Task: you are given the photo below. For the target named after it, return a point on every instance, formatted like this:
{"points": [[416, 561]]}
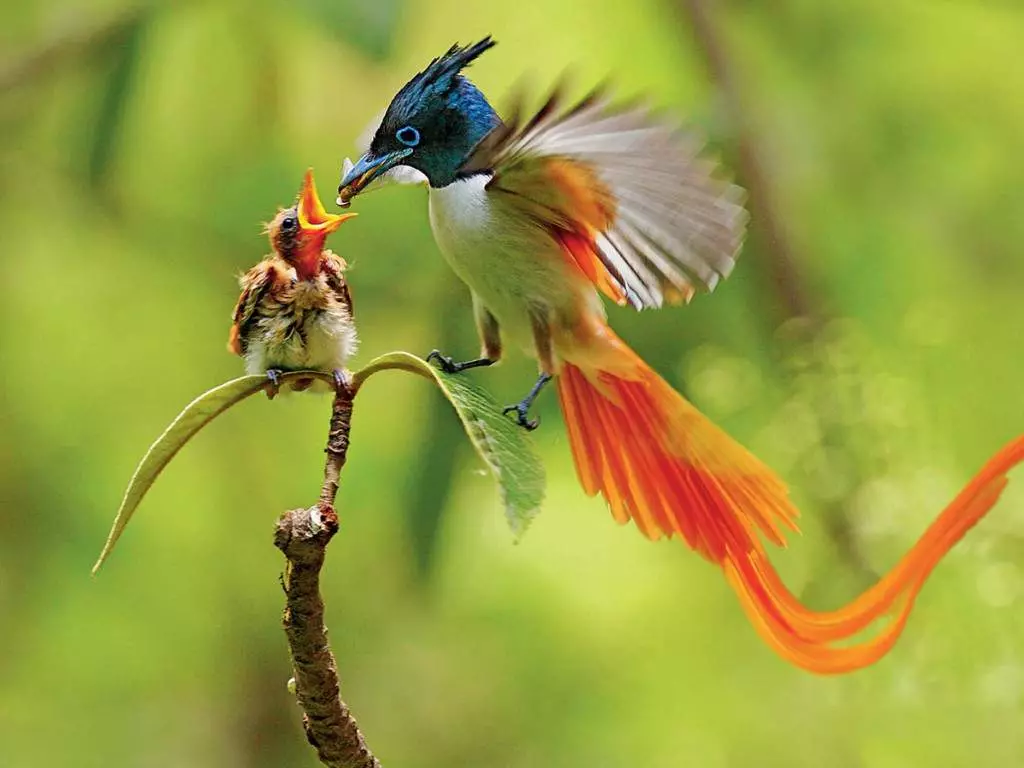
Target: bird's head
{"points": [[298, 233], [433, 124]]}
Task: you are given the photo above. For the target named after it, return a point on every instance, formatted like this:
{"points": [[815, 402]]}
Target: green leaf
{"points": [[501, 443], [432, 475], [196, 415]]}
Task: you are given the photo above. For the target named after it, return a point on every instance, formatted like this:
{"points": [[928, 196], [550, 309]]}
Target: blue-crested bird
{"points": [[295, 309], [538, 217]]}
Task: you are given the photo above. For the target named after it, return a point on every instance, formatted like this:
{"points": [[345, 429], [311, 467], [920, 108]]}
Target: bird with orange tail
{"points": [[540, 216], [295, 311]]}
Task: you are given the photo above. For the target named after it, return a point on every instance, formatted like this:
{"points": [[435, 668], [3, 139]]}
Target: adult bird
{"points": [[295, 309], [539, 217]]}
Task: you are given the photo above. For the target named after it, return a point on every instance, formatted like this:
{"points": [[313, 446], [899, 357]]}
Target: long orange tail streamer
{"points": [[661, 463]]}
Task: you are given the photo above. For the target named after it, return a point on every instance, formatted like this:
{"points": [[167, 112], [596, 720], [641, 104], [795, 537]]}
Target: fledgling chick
{"points": [[295, 311]]}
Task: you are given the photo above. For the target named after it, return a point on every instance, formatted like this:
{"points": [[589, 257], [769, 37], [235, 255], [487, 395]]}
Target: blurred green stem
{"points": [[69, 45], [303, 535], [791, 292]]}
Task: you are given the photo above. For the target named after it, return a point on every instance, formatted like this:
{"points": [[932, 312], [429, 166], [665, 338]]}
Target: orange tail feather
{"points": [[661, 463]]}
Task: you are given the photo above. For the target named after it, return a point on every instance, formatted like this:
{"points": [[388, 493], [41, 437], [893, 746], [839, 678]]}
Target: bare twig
{"points": [[303, 536]]}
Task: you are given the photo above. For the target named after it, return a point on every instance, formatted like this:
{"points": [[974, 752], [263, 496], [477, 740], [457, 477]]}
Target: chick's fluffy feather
{"points": [[283, 323]]}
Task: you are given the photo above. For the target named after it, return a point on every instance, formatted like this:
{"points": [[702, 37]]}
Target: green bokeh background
{"points": [[141, 148]]}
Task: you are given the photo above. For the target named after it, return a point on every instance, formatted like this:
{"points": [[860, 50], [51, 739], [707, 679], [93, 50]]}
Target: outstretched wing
{"points": [[630, 198], [254, 285]]}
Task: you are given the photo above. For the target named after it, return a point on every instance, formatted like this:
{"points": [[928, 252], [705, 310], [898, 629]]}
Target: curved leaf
{"points": [[196, 415], [502, 444]]}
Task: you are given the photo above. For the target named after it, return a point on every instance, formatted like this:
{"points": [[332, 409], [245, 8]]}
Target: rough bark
{"points": [[303, 535]]}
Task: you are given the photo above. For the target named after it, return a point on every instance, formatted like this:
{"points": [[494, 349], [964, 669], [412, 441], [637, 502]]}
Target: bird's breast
{"points": [[508, 260], [464, 219], [309, 295]]}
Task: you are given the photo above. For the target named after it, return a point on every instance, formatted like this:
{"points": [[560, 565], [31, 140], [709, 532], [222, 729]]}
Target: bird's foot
{"points": [[342, 381], [448, 365], [522, 411], [522, 408], [273, 383]]}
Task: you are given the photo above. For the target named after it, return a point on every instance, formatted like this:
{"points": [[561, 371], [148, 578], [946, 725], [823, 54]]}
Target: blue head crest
{"points": [[439, 79], [435, 121]]}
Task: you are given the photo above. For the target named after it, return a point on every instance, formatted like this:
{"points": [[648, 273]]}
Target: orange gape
{"points": [[660, 462]]}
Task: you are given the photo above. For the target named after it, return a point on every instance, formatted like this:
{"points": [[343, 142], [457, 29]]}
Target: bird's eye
{"points": [[288, 223], [408, 136]]}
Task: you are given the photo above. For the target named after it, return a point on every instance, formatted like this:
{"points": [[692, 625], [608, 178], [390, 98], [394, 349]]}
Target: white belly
{"points": [[305, 339], [513, 265]]}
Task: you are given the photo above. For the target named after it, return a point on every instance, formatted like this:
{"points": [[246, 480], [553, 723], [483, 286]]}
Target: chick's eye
{"points": [[289, 223], [408, 136]]}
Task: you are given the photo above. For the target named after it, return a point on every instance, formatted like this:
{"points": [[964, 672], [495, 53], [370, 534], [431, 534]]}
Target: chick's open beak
{"points": [[312, 215]]}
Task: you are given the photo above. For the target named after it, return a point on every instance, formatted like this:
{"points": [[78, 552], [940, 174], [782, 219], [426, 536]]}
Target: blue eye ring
{"points": [[408, 136]]}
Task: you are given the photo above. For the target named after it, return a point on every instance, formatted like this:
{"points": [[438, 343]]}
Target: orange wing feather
{"points": [[590, 206], [587, 198]]}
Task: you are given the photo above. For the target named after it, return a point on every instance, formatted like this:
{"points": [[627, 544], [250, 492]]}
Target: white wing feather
{"points": [[677, 228]]}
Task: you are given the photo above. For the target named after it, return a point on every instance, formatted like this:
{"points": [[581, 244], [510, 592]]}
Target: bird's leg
{"points": [[522, 408], [448, 365], [274, 382], [490, 336], [540, 325]]}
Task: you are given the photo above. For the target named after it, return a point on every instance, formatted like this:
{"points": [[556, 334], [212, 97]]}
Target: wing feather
{"points": [[638, 189], [334, 270], [254, 285]]}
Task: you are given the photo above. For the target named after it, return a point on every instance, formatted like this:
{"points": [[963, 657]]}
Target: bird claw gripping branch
{"points": [[539, 214], [274, 385], [448, 364], [522, 408], [342, 380]]}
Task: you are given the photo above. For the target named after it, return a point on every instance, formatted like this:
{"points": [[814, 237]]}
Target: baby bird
{"points": [[295, 311]]}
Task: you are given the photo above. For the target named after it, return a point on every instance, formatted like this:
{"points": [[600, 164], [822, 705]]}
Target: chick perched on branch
{"points": [[295, 311]]}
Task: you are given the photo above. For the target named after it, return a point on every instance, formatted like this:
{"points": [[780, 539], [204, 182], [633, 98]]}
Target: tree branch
{"points": [[303, 535]]}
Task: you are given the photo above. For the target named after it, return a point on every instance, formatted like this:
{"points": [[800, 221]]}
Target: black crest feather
{"points": [[454, 61], [439, 76]]}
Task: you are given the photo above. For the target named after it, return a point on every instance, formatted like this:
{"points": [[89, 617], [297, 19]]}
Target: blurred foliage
{"points": [[141, 147], [366, 26]]}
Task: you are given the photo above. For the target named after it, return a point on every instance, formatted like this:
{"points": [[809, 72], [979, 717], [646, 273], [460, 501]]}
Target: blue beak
{"points": [[368, 168]]}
